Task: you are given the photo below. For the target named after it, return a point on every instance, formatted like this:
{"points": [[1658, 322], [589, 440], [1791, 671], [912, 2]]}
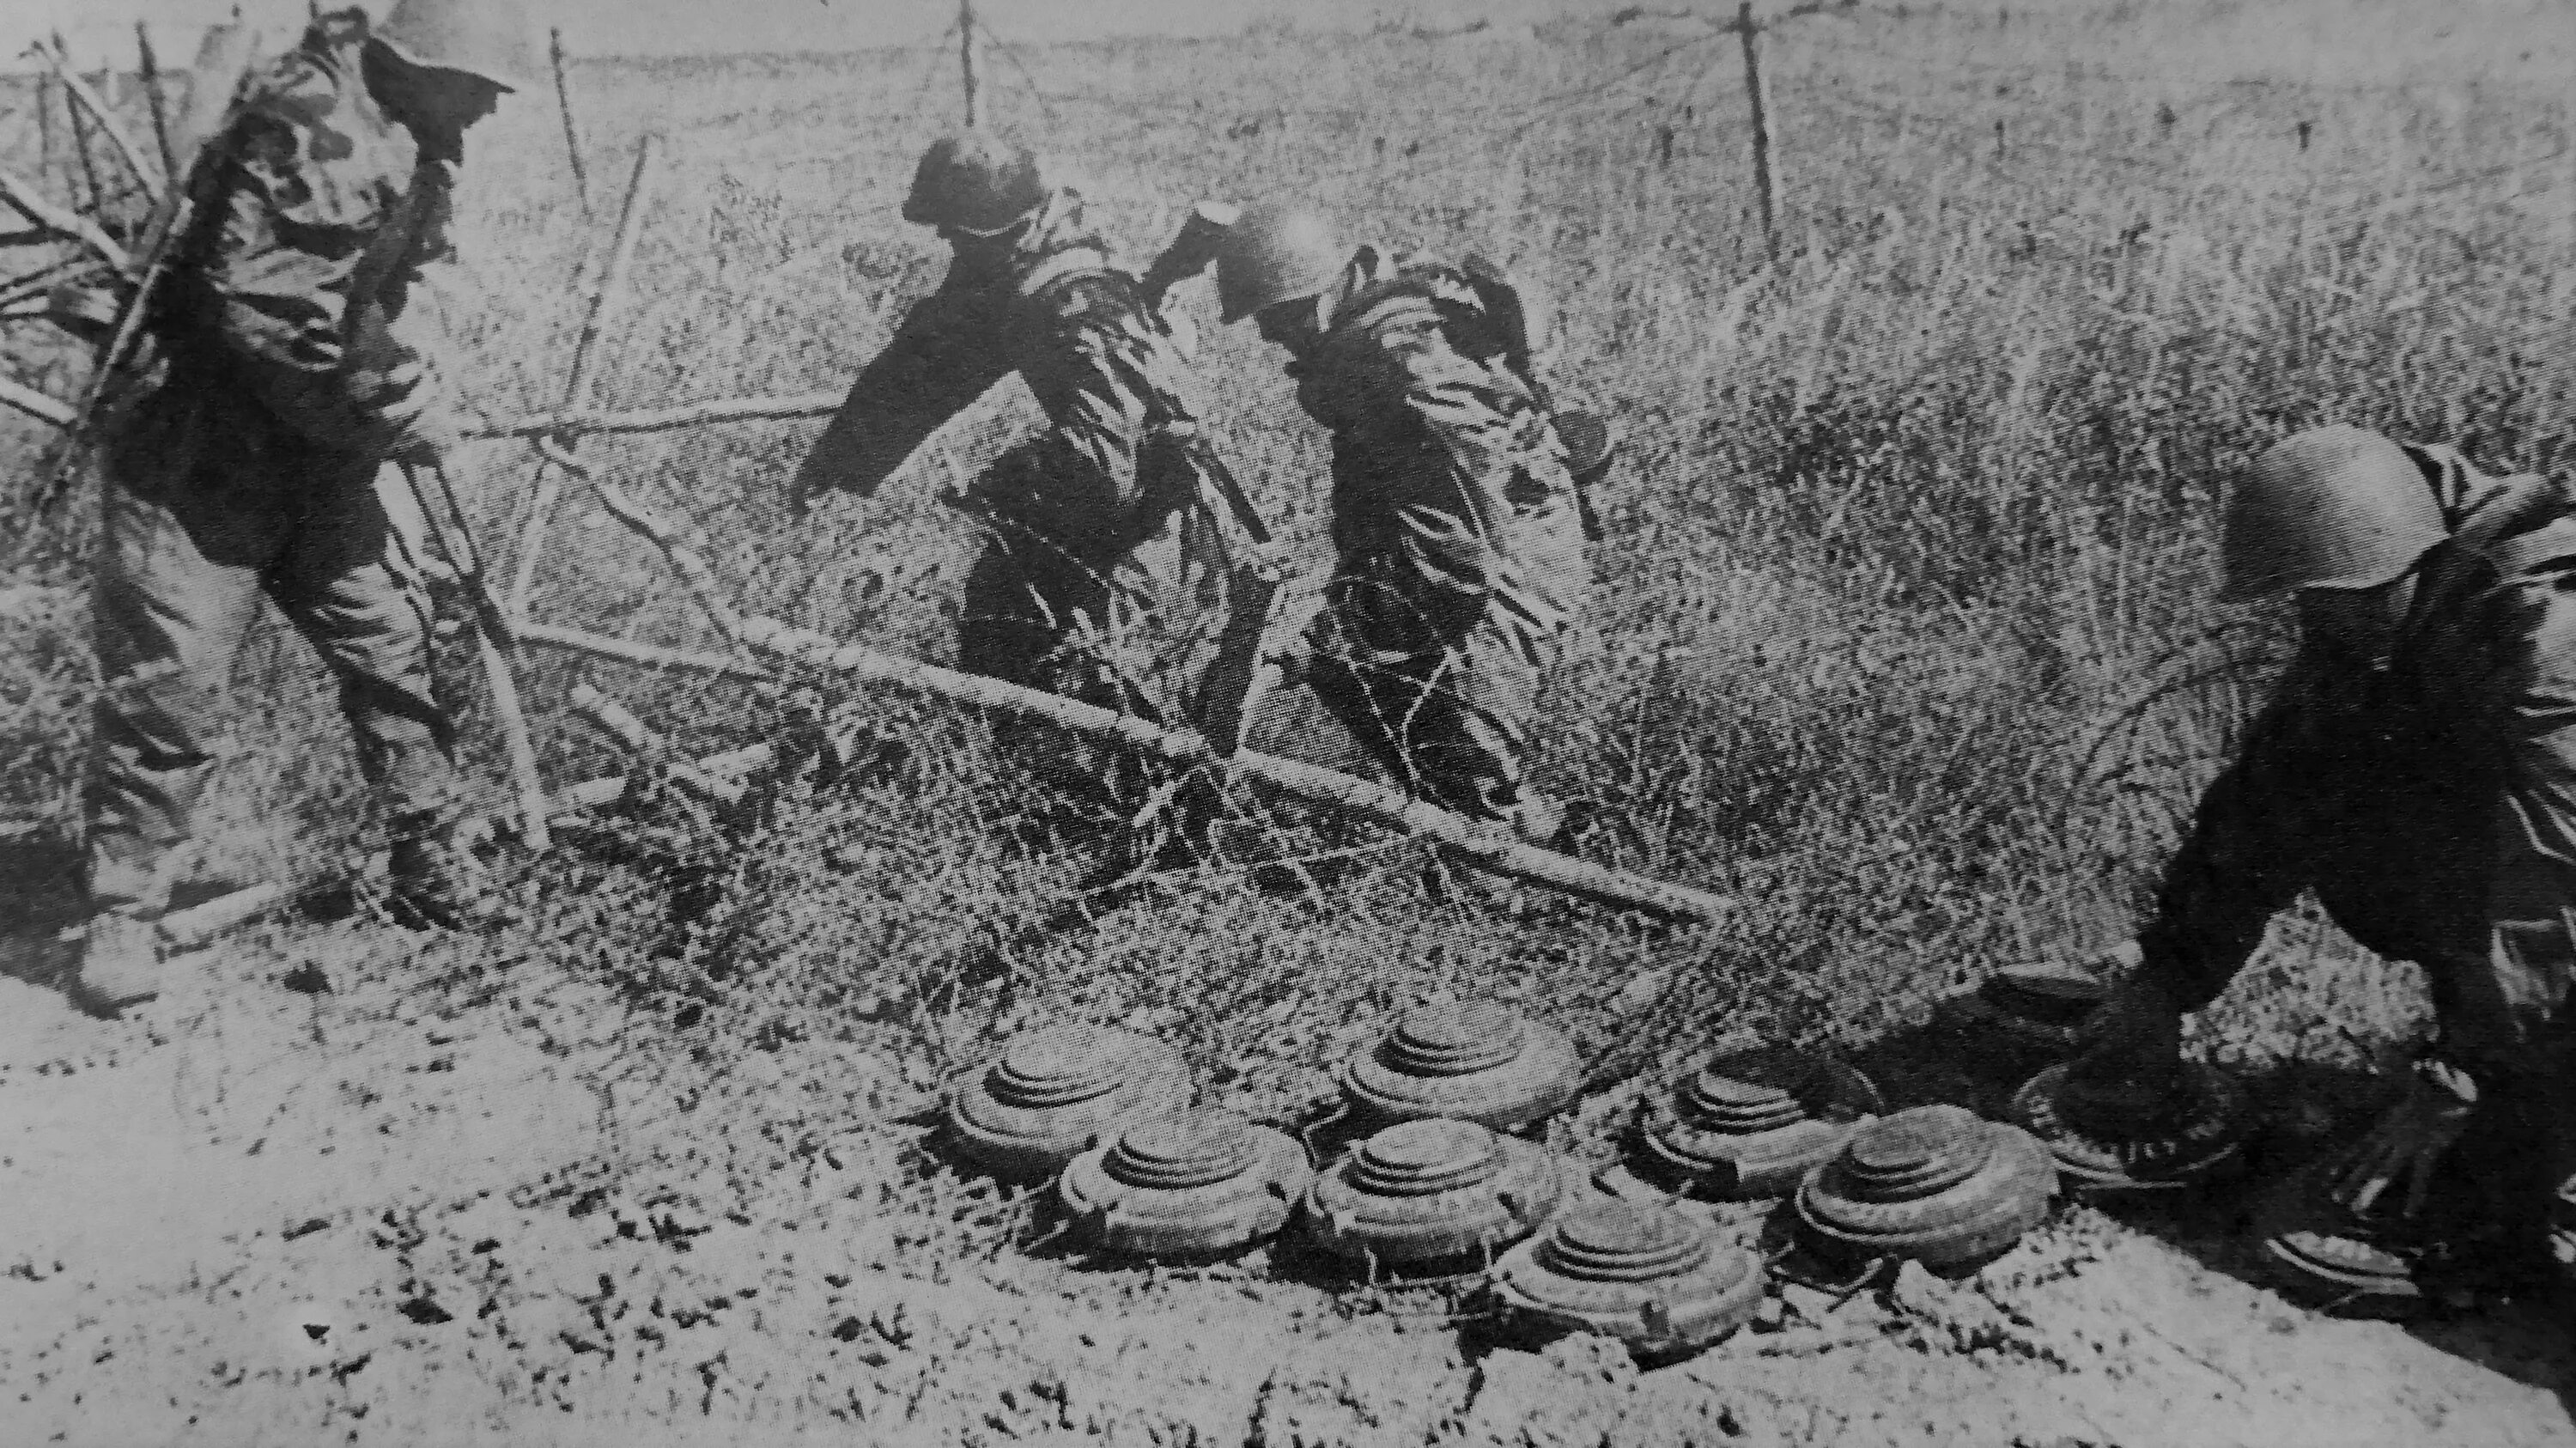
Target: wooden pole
{"points": [[44, 126], [80, 130], [32, 204], [662, 419], [966, 60], [152, 97], [1750, 35], [41, 406], [103, 116], [572, 135], [1486, 846], [603, 295]]}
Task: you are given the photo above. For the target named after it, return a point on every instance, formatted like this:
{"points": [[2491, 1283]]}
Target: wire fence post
{"points": [[152, 94], [966, 61], [1763, 183], [572, 134]]}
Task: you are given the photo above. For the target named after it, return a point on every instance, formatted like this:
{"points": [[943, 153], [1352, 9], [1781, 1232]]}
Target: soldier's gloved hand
{"points": [[1192, 251], [2137, 1030], [2410, 1139]]}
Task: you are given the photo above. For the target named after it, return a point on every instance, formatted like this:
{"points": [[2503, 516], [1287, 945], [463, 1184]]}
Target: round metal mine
{"points": [[1198, 1183], [1473, 1060], [2024, 1011], [1423, 1193], [2123, 1135], [1935, 1184], [1054, 1093], [1750, 1125], [1640, 1272]]}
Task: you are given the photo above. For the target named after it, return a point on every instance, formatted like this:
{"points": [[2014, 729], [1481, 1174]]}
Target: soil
{"points": [[350, 1184]]}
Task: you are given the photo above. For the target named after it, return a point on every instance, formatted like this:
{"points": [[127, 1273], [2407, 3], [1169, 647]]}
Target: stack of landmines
{"points": [[1434, 1167]]}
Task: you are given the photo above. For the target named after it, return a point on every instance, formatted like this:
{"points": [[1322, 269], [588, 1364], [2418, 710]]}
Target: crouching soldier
{"points": [[2417, 770], [1114, 537], [1458, 513], [295, 372]]}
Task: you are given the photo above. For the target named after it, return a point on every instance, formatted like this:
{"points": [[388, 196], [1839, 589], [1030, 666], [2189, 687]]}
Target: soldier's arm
{"points": [[946, 353], [284, 273], [2500, 1000], [2244, 860]]}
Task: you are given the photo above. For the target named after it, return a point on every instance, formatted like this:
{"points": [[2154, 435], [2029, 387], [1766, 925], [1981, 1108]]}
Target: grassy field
{"points": [[1903, 636]]}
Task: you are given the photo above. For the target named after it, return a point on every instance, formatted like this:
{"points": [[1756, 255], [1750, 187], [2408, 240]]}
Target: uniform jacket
{"points": [[2431, 803], [1108, 370], [1445, 463], [286, 310]]}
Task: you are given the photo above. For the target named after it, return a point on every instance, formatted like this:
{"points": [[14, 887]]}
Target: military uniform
{"points": [[2431, 805], [1102, 556], [1458, 530], [292, 371]]}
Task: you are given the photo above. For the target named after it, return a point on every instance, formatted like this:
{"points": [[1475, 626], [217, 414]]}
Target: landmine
{"points": [[1472, 1060], [1659, 1282], [2022, 1017], [1197, 1184], [1053, 1094], [2122, 1135], [1934, 1184], [1433, 1196], [1751, 1125]]}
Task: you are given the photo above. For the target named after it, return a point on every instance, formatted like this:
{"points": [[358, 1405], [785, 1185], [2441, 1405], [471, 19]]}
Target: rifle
{"points": [[448, 529], [1241, 672]]}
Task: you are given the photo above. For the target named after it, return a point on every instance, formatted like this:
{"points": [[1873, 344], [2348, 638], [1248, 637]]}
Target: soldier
{"points": [[2417, 770], [1458, 515], [295, 373], [1104, 533]]}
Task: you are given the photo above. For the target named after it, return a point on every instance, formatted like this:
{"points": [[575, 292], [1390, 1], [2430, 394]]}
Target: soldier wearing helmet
{"points": [[1458, 514], [2417, 771], [1108, 544], [294, 371]]}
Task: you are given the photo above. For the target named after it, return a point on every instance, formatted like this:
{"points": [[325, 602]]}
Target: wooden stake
{"points": [[572, 135], [1750, 35], [152, 96], [966, 60], [604, 294], [86, 97], [44, 126], [80, 130]]}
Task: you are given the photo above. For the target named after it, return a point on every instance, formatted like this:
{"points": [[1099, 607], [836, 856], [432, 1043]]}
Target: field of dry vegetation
{"points": [[1904, 640]]}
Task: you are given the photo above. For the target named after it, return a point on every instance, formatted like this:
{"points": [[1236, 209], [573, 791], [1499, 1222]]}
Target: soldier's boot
{"points": [[120, 963], [437, 884]]}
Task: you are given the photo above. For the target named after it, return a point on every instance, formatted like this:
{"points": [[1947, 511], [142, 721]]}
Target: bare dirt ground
{"points": [[437, 1202]]}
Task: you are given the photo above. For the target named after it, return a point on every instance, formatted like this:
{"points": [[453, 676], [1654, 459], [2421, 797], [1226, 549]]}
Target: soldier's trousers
{"points": [[1065, 599], [190, 548], [1440, 692]]}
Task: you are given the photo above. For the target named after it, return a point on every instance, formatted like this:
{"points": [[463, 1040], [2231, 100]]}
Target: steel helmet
{"points": [[1274, 254], [975, 182], [2332, 507], [486, 38]]}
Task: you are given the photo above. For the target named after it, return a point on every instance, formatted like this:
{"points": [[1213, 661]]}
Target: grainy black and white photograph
{"points": [[1288, 723]]}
